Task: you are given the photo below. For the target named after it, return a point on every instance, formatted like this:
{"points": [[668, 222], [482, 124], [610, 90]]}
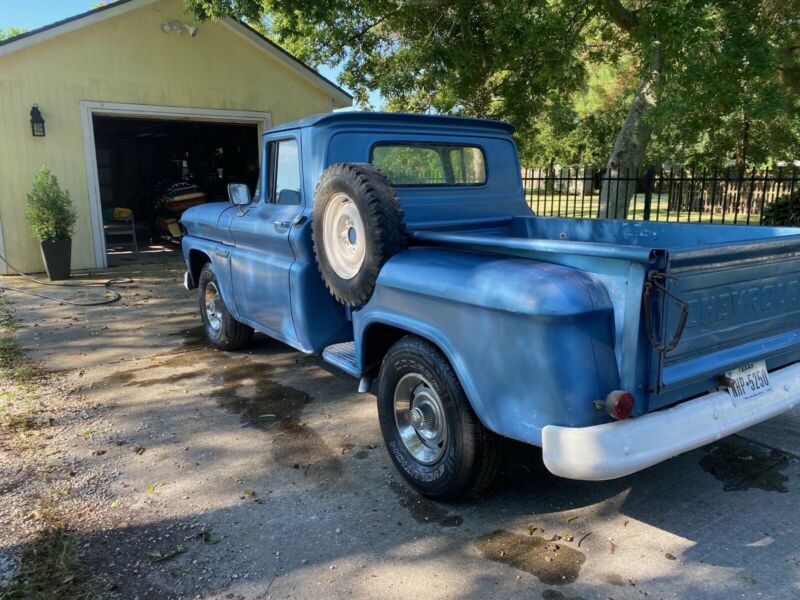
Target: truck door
{"points": [[262, 257]]}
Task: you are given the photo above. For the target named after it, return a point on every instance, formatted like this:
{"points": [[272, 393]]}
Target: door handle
{"points": [[282, 224]]}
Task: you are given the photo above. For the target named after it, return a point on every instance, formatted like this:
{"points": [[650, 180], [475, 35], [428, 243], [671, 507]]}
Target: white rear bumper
{"points": [[616, 449]]}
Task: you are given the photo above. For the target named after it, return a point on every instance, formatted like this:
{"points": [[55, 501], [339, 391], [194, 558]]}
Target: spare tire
{"points": [[357, 226]]}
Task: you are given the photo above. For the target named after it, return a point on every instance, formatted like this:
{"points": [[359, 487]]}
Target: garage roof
{"points": [[120, 7]]}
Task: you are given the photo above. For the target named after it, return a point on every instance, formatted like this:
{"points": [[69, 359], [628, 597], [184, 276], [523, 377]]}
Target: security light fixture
{"points": [[179, 28], [37, 122]]}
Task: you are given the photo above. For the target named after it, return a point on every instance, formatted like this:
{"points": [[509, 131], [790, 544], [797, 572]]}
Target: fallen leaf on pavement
{"points": [[534, 528], [206, 537], [158, 557]]}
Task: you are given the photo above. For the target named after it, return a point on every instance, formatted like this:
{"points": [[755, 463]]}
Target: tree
{"points": [[11, 32], [691, 77], [707, 68]]}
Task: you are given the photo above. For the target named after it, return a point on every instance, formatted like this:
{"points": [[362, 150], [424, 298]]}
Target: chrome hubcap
{"points": [[213, 304], [343, 235], [420, 419]]}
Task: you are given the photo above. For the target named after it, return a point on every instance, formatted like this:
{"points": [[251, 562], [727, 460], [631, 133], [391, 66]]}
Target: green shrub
{"points": [[784, 211], [50, 210]]}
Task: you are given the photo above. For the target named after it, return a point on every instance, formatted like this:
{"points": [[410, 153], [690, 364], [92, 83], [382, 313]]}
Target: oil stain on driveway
{"points": [[268, 471]]}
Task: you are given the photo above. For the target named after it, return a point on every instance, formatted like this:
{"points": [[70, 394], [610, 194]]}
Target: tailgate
{"points": [[743, 305]]}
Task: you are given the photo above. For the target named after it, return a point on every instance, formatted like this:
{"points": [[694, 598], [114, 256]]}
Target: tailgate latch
{"points": [[656, 282]]}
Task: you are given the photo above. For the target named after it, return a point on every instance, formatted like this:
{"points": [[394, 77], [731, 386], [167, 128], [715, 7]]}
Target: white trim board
{"points": [[145, 111]]}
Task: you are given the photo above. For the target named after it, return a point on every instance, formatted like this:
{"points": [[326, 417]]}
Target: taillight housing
{"points": [[619, 404]]}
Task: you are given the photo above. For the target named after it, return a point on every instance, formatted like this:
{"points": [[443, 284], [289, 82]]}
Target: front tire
{"points": [[433, 436], [222, 330]]}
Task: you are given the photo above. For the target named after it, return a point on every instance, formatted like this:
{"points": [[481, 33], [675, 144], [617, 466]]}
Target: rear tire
{"points": [[433, 436], [222, 330]]}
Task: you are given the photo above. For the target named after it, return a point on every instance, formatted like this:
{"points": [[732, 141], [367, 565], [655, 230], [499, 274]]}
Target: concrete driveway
{"points": [[268, 473]]}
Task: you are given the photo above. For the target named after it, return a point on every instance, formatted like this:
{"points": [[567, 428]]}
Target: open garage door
{"points": [[150, 170]]}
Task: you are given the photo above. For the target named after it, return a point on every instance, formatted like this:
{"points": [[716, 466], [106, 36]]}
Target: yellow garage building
{"points": [[132, 92]]}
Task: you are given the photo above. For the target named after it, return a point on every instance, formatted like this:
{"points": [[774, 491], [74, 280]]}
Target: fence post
{"points": [[647, 182]]}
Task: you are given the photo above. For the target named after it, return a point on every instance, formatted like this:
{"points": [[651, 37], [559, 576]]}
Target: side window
{"points": [[285, 169]]}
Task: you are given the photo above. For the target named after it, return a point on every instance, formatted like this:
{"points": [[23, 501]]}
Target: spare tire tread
{"points": [[383, 222]]}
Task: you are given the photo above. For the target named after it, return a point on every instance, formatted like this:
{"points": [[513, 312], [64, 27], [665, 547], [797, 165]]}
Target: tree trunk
{"points": [[619, 181], [744, 147]]}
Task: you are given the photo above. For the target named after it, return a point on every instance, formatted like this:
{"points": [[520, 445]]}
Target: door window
{"points": [[285, 163]]}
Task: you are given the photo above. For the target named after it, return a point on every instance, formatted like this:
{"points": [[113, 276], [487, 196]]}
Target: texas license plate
{"points": [[749, 381]]}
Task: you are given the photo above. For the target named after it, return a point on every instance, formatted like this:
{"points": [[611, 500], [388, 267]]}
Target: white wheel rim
{"points": [[213, 303], [343, 236]]}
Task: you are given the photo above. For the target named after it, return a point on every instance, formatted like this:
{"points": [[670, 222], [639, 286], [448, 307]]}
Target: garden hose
{"points": [[115, 296]]}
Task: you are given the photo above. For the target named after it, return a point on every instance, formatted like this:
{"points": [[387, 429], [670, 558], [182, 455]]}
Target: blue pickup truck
{"points": [[400, 248]]}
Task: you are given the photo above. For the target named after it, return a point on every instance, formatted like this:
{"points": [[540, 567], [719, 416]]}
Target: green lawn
{"points": [[555, 205]]}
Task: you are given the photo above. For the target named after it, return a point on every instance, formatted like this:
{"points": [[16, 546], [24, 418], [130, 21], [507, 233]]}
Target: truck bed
{"points": [[741, 286]]}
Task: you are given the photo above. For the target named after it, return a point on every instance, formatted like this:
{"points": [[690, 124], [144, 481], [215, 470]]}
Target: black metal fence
{"points": [[730, 197]]}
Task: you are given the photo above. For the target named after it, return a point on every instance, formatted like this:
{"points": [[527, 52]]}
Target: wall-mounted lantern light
{"points": [[37, 122]]}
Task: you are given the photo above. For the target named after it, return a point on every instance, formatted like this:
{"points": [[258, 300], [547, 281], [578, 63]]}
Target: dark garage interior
{"points": [[149, 171]]}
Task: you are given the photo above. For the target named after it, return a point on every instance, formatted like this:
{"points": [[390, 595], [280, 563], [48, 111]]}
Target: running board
{"points": [[342, 356]]}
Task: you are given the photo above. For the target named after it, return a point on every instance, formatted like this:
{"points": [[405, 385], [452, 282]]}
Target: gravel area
{"points": [[184, 472]]}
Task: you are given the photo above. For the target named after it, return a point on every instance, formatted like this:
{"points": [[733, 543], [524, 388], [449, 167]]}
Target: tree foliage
{"points": [[784, 211], [723, 75], [50, 210], [11, 32]]}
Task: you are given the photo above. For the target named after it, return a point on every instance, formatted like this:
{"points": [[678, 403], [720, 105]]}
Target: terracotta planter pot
{"points": [[57, 255]]}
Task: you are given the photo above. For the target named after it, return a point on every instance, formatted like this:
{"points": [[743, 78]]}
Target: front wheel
{"points": [[222, 330], [432, 434]]}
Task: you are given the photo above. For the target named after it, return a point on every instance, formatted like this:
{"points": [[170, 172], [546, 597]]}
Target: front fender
{"points": [[219, 256], [531, 342]]}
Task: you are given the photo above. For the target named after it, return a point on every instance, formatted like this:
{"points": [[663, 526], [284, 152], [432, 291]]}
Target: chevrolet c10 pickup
{"points": [[401, 249]]}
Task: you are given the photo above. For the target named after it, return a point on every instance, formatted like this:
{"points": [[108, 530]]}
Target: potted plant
{"points": [[52, 219]]}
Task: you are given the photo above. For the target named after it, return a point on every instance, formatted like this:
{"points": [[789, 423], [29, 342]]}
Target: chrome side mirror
{"points": [[239, 194]]}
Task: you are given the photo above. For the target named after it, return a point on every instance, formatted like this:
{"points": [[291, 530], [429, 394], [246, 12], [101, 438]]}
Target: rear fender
{"points": [[532, 344]]}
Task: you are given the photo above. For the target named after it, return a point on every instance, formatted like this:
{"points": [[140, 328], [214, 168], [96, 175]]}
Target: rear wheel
{"points": [[432, 434], [222, 330]]}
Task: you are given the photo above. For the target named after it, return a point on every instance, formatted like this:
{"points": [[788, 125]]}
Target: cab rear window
{"points": [[430, 164]]}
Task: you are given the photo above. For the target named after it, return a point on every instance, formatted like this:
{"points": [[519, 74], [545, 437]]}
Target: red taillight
{"points": [[619, 404]]}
